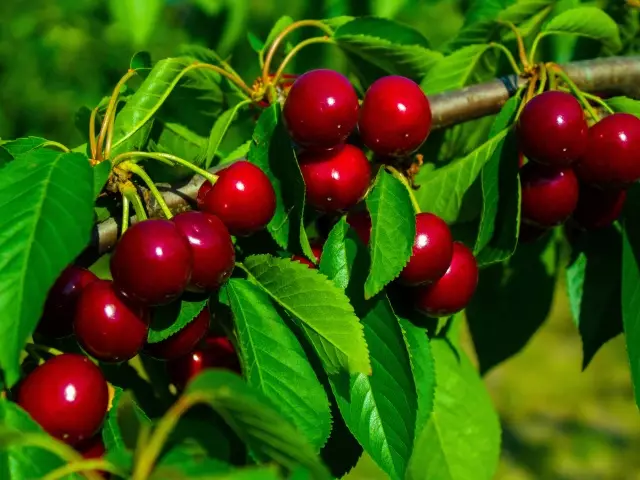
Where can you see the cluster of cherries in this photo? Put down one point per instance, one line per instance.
(575, 172)
(321, 112)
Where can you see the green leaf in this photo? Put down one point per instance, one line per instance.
(255, 42)
(123, 422)
(457, 70)
(101, 173)
(322, 310)
(275, 362)
(590, 22)
(393, 231)
(442, 190)
(239, 153)
(140, 60)
(219, 130)
(282, 23)
(271, 150)
(594, 289)
(170, 319)
(462, 438)
(47, 202)
(269, 436)
(180, 463)
(24, 145)
(379, 409)
(391, 46)
(138, 18)
(175, 139)
(18, 462)
(625, 105)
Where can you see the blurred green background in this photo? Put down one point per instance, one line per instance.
(56, 56)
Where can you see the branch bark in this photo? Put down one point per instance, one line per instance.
(620, 75)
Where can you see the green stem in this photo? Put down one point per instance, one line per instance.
(35, 349)
(509, 56)
(125, 214)
(92, 466)
(534, 46)
(139, 171)
(129, 191)
(594, 98)
(168, 159)
(522, 53)
(294, 51)
(576, 91)
(403, 180)
(51, 143)
(543, 79)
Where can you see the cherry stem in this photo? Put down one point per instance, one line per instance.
(294, 51)
(404, 181)
(129, 191)
(86, 466)
(169, 160)
(574, 89)
(92, 132)
(531, 86)
(51, 143)
(543, 79)
(35, 349)
(594, 98)
(522, 53)
(509, 56)
(125, 214)
(278, 40)
(534, 46)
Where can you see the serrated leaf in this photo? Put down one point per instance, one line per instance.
(442, 190)
(24, 145)
(170, 319)
(322, 310)
(47, 202)
(101, 173)
(392, 233)
(594, 289)
(391, 46)
(456, 70)
(590, 22)
(272, 151)
(219, 130)
(275, 362)
(123, 422)
(462, 438)
(625, 105)
(250, 414)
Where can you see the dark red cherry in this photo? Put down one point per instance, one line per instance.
(316, 248)
(321, 109)
(612, 156)
(336, 179)
(68, 396)
(549, 195)
(204, 189)
(395, 118)
(552, 129)
(60, 306)
(92, 448)
(453, 291)
(213, 352)
(598, 208)
(152, 262)
(242, 197)
(432, 251)
(108, 325)
(182, 342)
(213, 253)
(360, 221)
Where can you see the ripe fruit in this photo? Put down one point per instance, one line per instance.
(316, 248)
(109, 326)
(68, 396)
(321, 109)
(395, 118)
(242, 197)
(182, 342)
(432, 251)
(360, 221)
(92, 448)
(598, 208)
(549, 195)
(152, 262)
(335, 179)
(612, 156)
(552, 129)
(454, 290)
(213, 352)
(213, 253)
(60, 306)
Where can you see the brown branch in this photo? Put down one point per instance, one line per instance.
(619, 75)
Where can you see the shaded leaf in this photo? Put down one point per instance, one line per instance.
(169, 319)
(124, 421)
(219, 130)
(456, 70)
(101, 173)
(140, 60)
(24, 145)
(590, 22)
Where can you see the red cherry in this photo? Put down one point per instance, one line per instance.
(321, 109)
(395, 118)
(360, 221)
(552, 129)
(213, 352)
(152, 262)
(316, 248)
(92, 448)
(60, 306)
(335, 179)
(204, 189)
(109, 326)
(549, 195)
(242, 197)
(454, 290)
(213, 253)
(182, 342)
(612, 156)
(598, 208)
(68, 396)
(432, 251)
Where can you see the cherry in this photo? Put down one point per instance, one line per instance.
(316, 248)
(335, 179)
(321, 109)
(395, 118)
(92, 448)
(360, 221)
(432, 251)
(60, 306)
(182, 342)
(152, 262)
(242, 197)
(454, 290)
(598, 208)
(108, 325)
(212, 248)
(549, 195)
(68, 396)
(612, 156)
(213, 352)
(552, 129)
